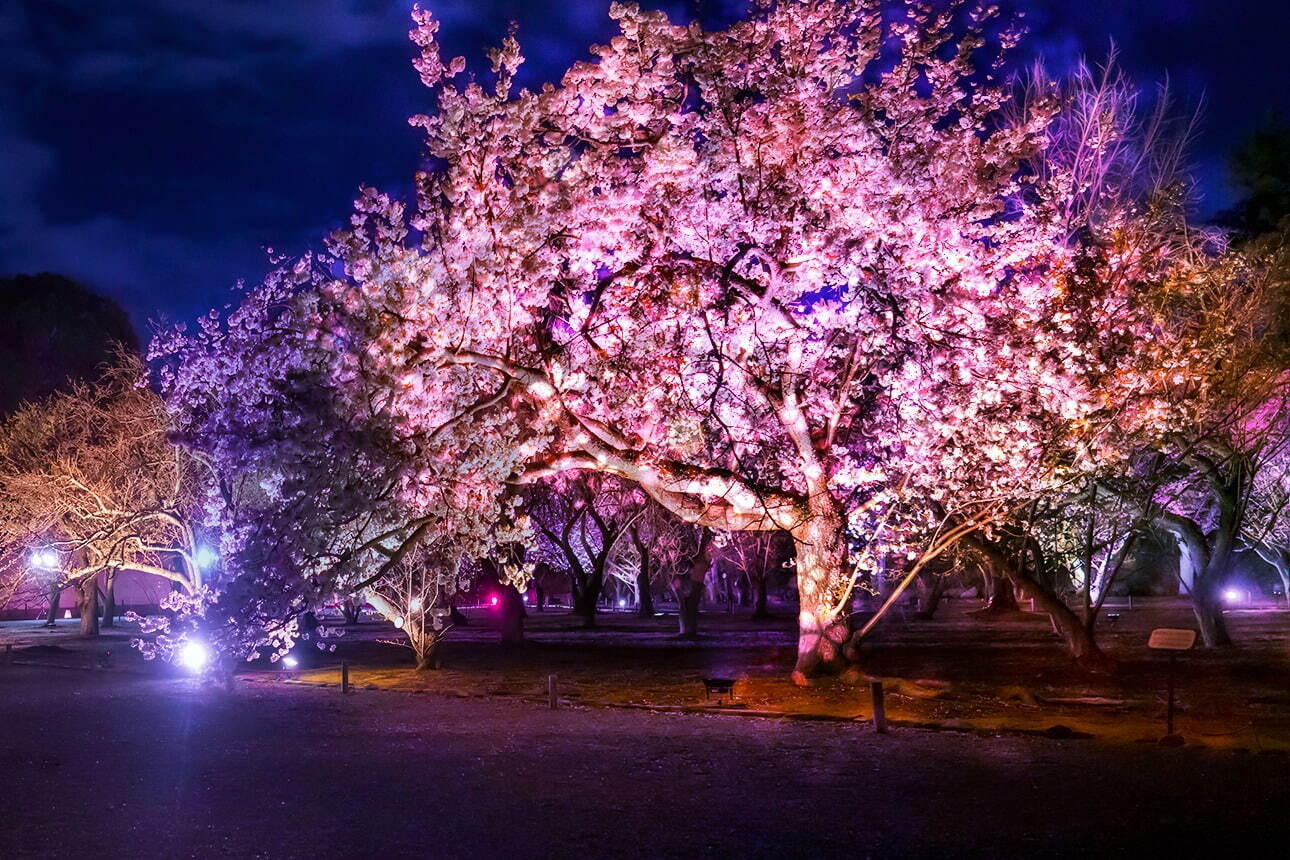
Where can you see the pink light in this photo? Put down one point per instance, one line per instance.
(493, 600)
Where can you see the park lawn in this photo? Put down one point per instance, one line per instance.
(957, 672)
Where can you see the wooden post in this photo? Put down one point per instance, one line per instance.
(879, 708)
(1130, 601)
(344, 676)
(8, 652)
(553, 692)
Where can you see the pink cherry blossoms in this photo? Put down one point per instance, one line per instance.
(821, 273)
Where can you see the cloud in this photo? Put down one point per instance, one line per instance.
(152, 147)
(27, 164)
(182, 44)
(139, 267)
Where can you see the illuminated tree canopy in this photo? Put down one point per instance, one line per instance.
(822, 272)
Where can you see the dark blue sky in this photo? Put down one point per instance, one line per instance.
(153, 148)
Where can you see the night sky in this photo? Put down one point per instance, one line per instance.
(154, 148)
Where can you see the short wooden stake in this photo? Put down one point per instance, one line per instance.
(879, 708)
(553, 692)
(344, 676)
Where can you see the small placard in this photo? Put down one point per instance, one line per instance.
(1171, 639)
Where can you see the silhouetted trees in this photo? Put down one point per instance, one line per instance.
(53, 330)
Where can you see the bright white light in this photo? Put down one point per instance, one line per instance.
(205, 557)
(493, 600)
(290, 662)
(194, 656)
(44, 559)
(621, 603)
(414, 604)
(398, 621)
(1232, 595)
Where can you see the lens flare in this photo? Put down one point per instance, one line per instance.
(194, 656)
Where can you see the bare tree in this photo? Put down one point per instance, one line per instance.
(91, 484)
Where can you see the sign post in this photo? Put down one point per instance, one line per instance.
(1173, 640)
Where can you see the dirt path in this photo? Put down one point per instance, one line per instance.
(106, 765)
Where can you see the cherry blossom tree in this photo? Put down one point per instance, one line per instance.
(319, 490)
(814, 273)
(740, 269)
(1266, 526)
(1221, 470)
(416, 593)
(1128, 339)
(91, 484)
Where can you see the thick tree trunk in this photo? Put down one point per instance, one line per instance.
(55, 597)
(587, 598)
(88, 604)
(427, 654)
(1077, 637)
(931, 589)
(109, 601)
(689, 588)
(1199, 571)
(644, 597)
(689, 596)
(1003, 598)
(821, 547)
(1207, 605)
(513, 614)
(1208, 609)
(760, 612)
(644, 593)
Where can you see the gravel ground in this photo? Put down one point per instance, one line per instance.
(101, 764)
